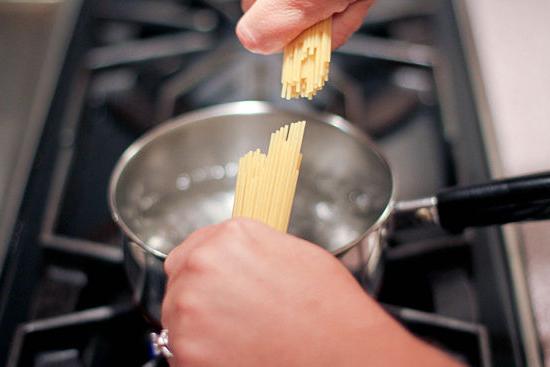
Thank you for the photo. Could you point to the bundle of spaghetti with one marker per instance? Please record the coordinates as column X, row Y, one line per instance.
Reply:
column 266, row 184
column 306, row 61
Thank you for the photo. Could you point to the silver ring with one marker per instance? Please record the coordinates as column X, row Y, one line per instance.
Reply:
column 160, row 344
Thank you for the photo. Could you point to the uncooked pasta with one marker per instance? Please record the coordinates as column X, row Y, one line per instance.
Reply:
column 306, row 62
column 266, row 184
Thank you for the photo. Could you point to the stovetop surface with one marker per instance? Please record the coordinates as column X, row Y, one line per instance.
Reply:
column 135, row 64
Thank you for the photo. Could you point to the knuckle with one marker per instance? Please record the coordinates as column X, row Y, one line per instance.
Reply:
column 341, row 5
column 236, row 233
column 301, row 10
column 179, row 310
column 310, row 8
column 186, row 353
column 302, row 4
column 240, row 233
column 200, row 259
column 183, row 306
column 237, row 226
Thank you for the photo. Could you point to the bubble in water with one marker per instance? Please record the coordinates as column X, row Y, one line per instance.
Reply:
column 183, row 182
column 324, row 210
column 231, row 169
column 361, row 200
column 146, row 202
column 217, row 172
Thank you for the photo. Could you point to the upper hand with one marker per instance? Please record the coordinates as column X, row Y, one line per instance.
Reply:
column 268, row 25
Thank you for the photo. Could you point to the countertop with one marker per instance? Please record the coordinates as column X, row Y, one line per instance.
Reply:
column 508, row 51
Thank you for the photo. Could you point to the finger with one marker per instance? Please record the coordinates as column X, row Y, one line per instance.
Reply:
column 177, row 256
column 246, row 4
column 271, row 24
column 346, row 23
column 176, row 304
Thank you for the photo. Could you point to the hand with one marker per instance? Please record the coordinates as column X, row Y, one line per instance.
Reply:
column 240, row 294
column 268, row 25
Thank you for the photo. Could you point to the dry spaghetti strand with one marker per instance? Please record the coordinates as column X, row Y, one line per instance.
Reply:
column 266, row 184
column 306, row 62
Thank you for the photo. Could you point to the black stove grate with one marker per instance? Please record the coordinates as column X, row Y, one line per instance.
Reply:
column 134, row 64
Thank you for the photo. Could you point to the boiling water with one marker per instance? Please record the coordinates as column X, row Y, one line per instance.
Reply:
column 326, row 212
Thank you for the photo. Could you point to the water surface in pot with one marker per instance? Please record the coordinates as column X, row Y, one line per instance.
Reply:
column 182, row 177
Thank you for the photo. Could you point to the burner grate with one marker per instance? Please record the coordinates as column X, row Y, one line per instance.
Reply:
column 147, row 61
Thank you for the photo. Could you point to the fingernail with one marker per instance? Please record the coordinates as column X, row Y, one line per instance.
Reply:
column 246, row 36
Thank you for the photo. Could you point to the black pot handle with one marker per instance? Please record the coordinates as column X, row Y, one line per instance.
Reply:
column 497, row 202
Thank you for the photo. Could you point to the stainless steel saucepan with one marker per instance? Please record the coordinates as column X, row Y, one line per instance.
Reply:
column 181, row 176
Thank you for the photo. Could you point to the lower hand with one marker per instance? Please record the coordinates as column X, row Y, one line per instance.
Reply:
column 242, row 294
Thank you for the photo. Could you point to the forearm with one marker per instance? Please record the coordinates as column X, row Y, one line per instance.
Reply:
column 403, row 349
column 376, row 339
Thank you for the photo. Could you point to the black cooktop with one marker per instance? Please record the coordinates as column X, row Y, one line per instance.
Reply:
column 135, row 63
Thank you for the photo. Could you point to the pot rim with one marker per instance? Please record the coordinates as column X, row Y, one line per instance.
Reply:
column 242, row 108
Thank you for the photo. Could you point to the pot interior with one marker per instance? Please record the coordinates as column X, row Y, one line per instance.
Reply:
column 181, row 176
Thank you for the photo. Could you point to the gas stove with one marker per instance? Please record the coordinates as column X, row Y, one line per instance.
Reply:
column 133, row 64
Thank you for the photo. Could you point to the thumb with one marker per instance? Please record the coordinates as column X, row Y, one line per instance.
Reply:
column 271, row 24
